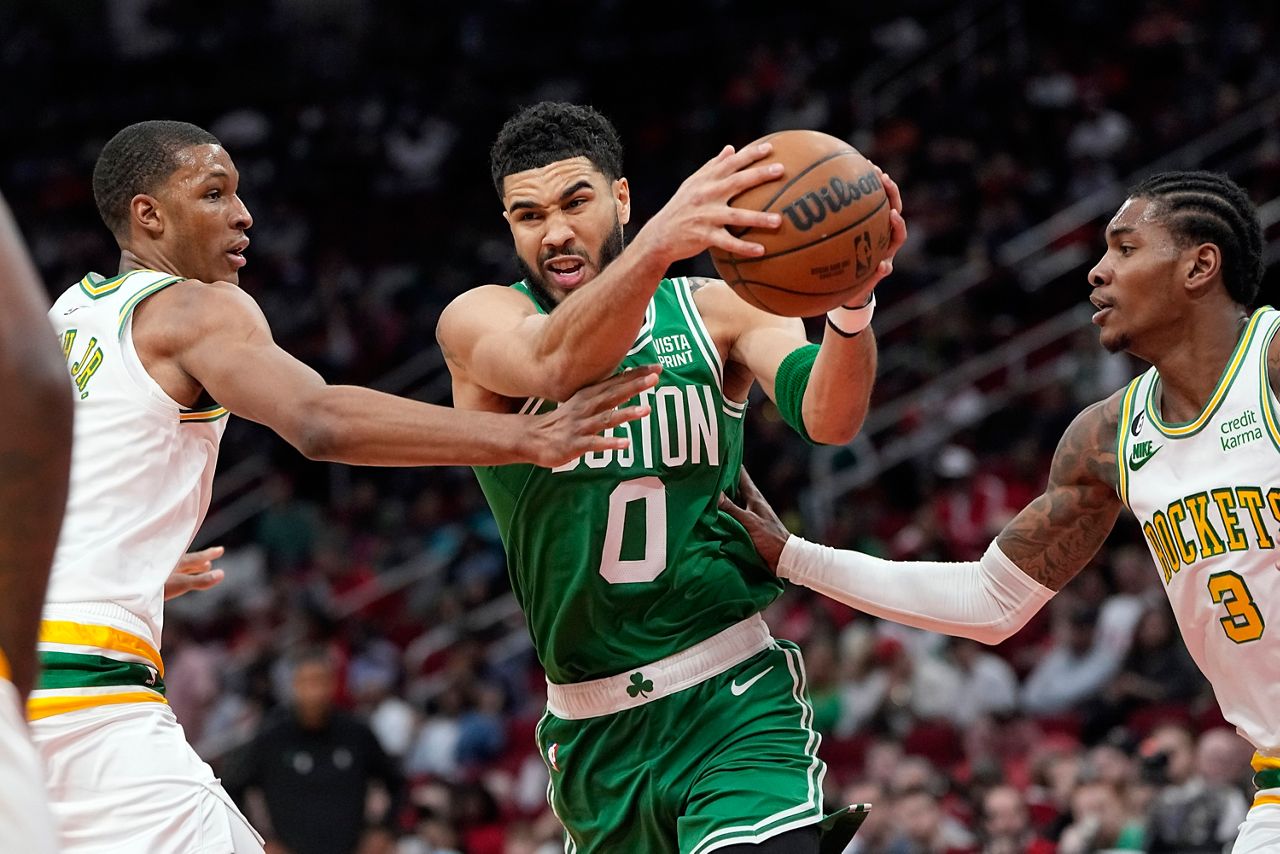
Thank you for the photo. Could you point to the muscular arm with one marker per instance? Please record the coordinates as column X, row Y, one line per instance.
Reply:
column 219, row 337
column 1057, row 534
column 35, row 452
column 495, row 340
column 839, row 391
column 988, row 600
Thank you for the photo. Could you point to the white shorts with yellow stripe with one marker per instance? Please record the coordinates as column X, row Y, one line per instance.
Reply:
column 25, row 821
column 121, row 775
column 1261, row 828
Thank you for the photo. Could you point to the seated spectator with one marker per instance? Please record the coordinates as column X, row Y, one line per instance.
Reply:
column 1006, row 824
column 1100, row 821
column 1074, row 668
column 1194, row 809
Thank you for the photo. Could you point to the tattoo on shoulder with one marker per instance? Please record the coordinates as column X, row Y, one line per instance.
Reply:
column 697, row 283
column 1057, row 534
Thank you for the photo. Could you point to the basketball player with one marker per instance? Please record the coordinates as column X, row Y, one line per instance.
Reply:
column 35, row 455
column 675, row 722
column 1190, row 448
column 159, row 354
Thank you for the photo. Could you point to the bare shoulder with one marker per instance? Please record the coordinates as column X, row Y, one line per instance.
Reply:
column 1087, row 451
column 472, row 312
column 1273, row 364
column 192, row 308
column 723, row 309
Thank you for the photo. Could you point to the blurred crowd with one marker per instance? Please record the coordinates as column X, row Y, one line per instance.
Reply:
column 362, row 678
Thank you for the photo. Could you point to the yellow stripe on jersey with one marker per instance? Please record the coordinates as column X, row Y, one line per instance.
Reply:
column 1122, row 430
column 1177, row 431
column 101, row 287
column 5, row 673
column 203, row 414
column 1266, row 799
column 47, row 706
column 147, row 291
column 1262, row 763
column 101, row 637
column 1268, row 404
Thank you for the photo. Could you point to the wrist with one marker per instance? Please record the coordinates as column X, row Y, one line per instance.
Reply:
column 849, row 321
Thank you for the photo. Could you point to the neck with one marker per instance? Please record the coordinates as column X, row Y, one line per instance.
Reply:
column 153, row 259
column 1191, row 365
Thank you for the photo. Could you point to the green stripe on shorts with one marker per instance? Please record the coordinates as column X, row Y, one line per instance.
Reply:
column 74, row 670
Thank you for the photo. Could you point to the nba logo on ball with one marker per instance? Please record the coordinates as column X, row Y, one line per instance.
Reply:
column 862, row 254
column 828, row 193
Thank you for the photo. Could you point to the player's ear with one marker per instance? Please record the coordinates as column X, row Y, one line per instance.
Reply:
column 622, row 198
column 1204, row 266
column 144, row 211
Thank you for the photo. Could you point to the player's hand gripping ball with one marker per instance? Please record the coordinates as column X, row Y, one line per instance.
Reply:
column 835, row 228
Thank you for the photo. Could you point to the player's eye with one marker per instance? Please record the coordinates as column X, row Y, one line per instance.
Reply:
column 1126, row 249
column 213, row 194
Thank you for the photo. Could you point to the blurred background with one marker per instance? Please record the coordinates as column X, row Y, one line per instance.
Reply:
column 378, row 599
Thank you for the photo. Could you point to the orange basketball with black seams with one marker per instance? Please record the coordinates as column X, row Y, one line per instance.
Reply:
column 835, row 228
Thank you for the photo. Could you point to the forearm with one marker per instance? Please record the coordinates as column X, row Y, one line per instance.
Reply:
column 589, row 333
column 35, row 457
column 985, row 600
column 360, row 426
column 839, row 391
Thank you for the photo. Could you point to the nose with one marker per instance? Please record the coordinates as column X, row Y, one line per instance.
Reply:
column 558, row 234
column 242, row 220
column 1100, row 274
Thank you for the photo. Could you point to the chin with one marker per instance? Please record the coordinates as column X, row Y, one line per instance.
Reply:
column 1113, row 342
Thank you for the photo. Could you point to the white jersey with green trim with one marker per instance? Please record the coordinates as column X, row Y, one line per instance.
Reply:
column 141, row 469
column 1207, row 495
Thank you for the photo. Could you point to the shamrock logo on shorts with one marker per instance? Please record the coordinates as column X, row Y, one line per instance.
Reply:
column 639, row 685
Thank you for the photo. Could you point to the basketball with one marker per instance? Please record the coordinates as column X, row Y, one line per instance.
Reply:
column 835, row 227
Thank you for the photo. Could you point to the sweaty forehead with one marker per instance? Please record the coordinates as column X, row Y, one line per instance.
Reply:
column 196, row 162
column 545, row 184
column 1135, row 215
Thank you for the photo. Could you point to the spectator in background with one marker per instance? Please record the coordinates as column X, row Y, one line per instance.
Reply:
column 1074, row 669
column 1100, row 822
column 988, row 684
column 1006, row 824
column 314, row 765
column 1195, row 809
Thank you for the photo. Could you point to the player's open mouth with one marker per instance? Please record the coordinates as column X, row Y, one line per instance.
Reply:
column 1103, row 309
column 566, row 271
column 236, row 254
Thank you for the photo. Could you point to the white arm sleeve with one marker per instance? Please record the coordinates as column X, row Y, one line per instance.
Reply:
column 986, row 600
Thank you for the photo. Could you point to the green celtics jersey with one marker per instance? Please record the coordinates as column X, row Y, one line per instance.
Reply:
column 619, row 558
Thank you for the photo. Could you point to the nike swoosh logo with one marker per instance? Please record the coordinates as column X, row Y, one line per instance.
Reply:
column 738, row 690
column 1135, row 463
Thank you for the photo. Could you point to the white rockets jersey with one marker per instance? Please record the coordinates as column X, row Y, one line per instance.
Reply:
column 141, row 470
column 1207, row 495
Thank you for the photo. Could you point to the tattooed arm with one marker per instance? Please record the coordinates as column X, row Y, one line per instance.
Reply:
column 1057, row 534
column 989, row 599
column 35, row 452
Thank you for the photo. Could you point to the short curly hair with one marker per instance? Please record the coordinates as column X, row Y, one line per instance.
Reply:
column 137, row 160
column 1205, row 207
column 551, row 131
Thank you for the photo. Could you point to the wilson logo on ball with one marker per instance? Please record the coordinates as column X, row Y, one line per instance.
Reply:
column 813, row 207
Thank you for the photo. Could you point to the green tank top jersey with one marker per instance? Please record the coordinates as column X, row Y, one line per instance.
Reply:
column 620, row 558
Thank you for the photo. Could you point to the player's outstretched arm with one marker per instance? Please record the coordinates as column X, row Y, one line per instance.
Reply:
column 495, row 338
column 35, row 451
column 221, row 339
column 825, row 393
column 987, row 600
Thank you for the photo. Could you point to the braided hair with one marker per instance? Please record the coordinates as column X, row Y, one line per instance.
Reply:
column 1204, row 207
column 137, row 160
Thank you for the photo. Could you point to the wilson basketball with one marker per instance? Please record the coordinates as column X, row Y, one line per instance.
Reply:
column 835, row 228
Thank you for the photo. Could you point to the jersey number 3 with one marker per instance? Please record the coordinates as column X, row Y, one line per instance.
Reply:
column 653, row 493
column 1243, row 622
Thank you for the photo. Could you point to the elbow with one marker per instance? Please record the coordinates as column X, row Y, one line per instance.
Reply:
column 841, row 433
column 319, row 439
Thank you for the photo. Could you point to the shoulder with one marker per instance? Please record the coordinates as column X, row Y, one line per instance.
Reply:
column 1087, row 450
column 192, row 308
column 474, row 313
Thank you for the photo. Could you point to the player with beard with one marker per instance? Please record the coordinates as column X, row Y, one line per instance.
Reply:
column 1191, row 447
column 159, row 355
column 674, row 721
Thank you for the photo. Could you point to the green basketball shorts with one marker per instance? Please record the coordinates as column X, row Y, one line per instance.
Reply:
column 730, row 759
